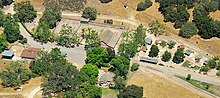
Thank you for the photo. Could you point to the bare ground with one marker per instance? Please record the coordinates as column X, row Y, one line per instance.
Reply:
column 156, row 86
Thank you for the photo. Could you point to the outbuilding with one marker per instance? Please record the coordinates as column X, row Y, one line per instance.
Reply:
column 148, row 41
column 84, row 20
column 149, row 60
column 188, row 52
column 198, row 57
column 30, row 53
column 8, row 54
column 171, row 41
column 107, row 79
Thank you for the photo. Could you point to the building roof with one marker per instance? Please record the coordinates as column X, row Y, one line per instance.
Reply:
column 8, row 53
column 148, row 40
column 30, row 52
column 158, row 42
column 110, row 38
column 181, row 47
column 188, row 52
column 199, row 56
column 107, row 77
column 149, row 60
column 143, row 48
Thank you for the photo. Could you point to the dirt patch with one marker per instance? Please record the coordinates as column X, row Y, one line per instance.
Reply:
column 215, row 15
column 215, row 90
column 158, row 87
column 11, row 96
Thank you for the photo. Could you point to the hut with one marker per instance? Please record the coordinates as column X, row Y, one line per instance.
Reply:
column 30, row 53
column 8, row 54
column 148, row 41
column 149, row 60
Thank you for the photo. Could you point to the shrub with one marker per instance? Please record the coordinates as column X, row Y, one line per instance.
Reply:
column 166, row 56
column 135, row 67
column 144, row 5
column 188, row 30
column 108, row 21
column 188, row 77
column 89, row 13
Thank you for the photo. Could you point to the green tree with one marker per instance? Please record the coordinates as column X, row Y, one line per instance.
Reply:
column 188, row 77
column 153, row 51
column 139, row 35
column 67, row 37
column 51, row 15
column 163, row 43
column 135, row 67
column 178, row 56
column 119, row 83
column 144, row 5
column 205, row 68
column 97, row 56
column 92, row 38
column 89, row 13
column 25, row 11
column 121, row 66
column 15, row 75
column 89, row 73
column 171, row 45
column 43, row 33
column 188, row 30
column 11, row 28
column 156, row 28
column 131, row 91
column 166, row 56
column 1, row 18
column 212, row 64
column 3, row 43
column 5, row 3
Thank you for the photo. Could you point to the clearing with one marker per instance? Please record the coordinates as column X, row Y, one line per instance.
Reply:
column 156, row 86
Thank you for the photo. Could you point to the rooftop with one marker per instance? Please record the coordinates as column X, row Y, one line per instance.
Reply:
column 148, row 40
column 8, row 53
column 30, row 52
column 110, row 38
column 107, row 77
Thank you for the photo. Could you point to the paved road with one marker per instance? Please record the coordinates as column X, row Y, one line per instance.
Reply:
column 74, row 55
column 181, row 72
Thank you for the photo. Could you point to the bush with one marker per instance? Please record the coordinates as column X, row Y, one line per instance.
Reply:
column 144, row 5
column 105, row 1
column 153, row 51
column 188, row 77
column 163, row 43
column 171, row 45
column 108, row 21
column 23, row 41
column 218, row 73
column 188, row 30
column 166, row 56
column 89, row 13
column 135, row 67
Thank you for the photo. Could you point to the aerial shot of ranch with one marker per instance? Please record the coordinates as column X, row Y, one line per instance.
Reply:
column 109, row 48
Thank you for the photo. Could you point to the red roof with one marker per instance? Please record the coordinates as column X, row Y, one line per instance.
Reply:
column 30, row 52
column 181, row 47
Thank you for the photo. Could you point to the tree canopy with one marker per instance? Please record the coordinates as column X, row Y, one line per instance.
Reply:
column 120, row 65
column 68, row 37
column 89, row 73
column 15, row 75
column 51, row 15
column 43, row 33
column 131, row 91
column 89, row 13
column 3, row 43
column 188, row 30
column 144, row 5
column 156, row 28
column 166, row 56
column 11, row 28
column 5, row 3
column 25, row 11
column 97, row 56
column 178, row 56
column 153, row 51
column 105, row 1
column 92, row 38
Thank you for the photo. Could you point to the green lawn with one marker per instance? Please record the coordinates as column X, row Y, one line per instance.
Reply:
column 196, row 83
column 106, row 91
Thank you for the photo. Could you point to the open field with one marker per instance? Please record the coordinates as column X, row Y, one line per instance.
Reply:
column 215, row 15
column 158, row 87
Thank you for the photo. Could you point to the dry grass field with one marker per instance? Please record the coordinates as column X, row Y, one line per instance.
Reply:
column 215, row 15
column 156, row 86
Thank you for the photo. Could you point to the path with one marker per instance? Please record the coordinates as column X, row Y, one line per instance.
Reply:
column 34, row 92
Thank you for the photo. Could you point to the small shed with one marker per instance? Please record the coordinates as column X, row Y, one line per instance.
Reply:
column 181, row 47
column 149, row 60
column 148, row 41
column 205, row 62
column 84, row 20
column 8, row 54
column 30, row 53
column 198, row 57
column 188, row 52
column 107, row 79
column 158, row 42
column 171, row 41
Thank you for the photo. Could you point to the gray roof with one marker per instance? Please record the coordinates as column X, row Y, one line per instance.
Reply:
column 107, row 77
column 149, row 60
column 148, row 40
column 110, row 38
column 199, row 56
column 171, row 41
column 8, row 53
column 188, row 52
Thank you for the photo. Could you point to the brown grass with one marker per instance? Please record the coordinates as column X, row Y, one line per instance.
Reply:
column 215, row 15
column 156, row 86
